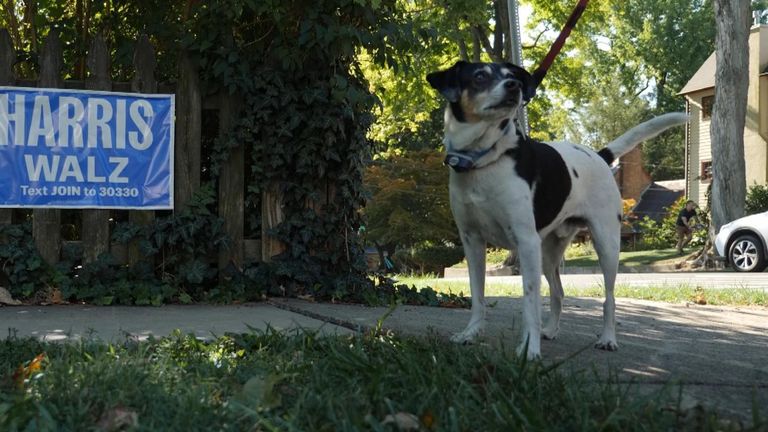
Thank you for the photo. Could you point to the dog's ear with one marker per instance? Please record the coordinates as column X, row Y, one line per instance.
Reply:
column 447, row 81
column 529, row 83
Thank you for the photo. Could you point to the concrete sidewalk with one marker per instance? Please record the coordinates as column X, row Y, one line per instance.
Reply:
column 116, row 323
column 719, row 354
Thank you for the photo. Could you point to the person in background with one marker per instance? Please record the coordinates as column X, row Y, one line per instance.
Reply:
column 684, row 225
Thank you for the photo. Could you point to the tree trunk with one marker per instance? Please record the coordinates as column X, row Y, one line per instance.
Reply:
column 477, row 49
column 732, row 19
column 463, row 50
column 503, row 21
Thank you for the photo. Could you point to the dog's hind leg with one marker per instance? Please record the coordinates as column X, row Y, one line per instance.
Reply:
column 474, row 250
column 606, row 238
column 552, row 249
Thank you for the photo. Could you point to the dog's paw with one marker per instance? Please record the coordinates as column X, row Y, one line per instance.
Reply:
column 532, row 354
column 608, row 345
column 468, row 336
column 549, row 332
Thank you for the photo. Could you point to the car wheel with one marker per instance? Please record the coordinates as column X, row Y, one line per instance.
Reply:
column 747, row 254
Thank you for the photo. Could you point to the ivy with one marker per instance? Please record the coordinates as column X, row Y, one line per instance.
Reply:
column 22, row 265
column 304, row 111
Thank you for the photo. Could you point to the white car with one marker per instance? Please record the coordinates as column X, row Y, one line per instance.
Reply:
column 743, row 243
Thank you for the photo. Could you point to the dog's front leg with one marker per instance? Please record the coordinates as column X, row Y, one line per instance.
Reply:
column 529, row 247
column 474, row 250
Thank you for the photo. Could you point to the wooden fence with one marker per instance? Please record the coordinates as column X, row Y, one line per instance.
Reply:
column 190, row 107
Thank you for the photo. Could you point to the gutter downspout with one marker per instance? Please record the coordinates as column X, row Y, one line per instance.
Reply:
column 687, row 166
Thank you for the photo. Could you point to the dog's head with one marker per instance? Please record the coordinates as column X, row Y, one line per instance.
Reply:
column 483, row 91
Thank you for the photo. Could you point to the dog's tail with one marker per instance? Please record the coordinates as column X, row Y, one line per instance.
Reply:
column 642, row 132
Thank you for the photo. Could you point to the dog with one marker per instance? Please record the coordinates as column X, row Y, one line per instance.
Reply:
column 511, row 191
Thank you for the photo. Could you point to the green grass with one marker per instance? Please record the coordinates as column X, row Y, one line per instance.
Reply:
column 633, row 258
column 583, row 255
column 677, row 293
column 302, row 382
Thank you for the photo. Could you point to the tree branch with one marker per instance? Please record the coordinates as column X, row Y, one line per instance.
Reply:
column 536, row 41
column 503, row 19
column 638, row 93
column 13, row 23
column 476, row 50
column 479, row 34
column 463, row 50
column 498, row 31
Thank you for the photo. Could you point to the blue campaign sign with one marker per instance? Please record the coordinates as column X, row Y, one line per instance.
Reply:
column 85, row 149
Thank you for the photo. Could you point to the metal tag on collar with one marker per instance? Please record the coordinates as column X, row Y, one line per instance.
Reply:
column 459, row 162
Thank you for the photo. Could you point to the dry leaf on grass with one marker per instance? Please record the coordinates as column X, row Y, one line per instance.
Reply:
column 25, row 372
column 699, row 297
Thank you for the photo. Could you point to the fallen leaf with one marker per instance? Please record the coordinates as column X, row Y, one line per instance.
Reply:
column 25, row 372
column 699, row 297
column 55, row 296
column 428, row 419
column 403, row 421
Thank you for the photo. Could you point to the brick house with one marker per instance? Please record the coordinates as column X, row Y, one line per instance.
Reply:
column 651, row 197
column 631, row 176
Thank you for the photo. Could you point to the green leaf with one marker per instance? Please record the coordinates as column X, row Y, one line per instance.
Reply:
column 194, row 271
column 260, row 392
column 185, row 298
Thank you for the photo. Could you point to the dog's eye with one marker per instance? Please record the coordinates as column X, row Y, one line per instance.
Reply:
column 481, row 76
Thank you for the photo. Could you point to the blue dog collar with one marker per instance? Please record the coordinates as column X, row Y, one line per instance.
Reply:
column 463, row 161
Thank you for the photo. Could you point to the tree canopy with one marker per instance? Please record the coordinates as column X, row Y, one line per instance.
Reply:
column 624, row 62
column 645, row 50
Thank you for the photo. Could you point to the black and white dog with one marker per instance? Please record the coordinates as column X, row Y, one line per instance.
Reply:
column 511, row 191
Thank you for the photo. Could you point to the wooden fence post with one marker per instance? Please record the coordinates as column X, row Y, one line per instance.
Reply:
column 188, row 136
column 7, row 78
column 46, row 223
column 95, row 227
column 271, row 216
column 231, row 189
column 143, row 82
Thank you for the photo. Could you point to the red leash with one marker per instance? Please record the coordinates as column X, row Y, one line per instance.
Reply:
column 541, row 71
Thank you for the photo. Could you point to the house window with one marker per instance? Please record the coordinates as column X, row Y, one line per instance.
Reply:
column 706, row 171
column 706, row 107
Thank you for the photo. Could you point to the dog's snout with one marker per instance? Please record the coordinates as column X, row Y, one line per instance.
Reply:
column 512, row 84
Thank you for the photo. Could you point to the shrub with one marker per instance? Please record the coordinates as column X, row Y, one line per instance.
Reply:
column 662, row 235
column 579, row 250
column 757, row 199
column 428, row 258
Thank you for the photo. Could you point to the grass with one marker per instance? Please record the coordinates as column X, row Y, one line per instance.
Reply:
column 302, row 382
column 630, row 258
column 583, row 255
column 681, row 293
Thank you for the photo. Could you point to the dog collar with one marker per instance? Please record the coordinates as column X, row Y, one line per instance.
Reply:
column 465, row 160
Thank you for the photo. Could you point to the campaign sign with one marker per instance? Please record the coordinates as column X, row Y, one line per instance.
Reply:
column 85, row 149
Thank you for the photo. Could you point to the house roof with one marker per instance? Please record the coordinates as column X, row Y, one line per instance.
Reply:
column 703, row 79
column 658, row 197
